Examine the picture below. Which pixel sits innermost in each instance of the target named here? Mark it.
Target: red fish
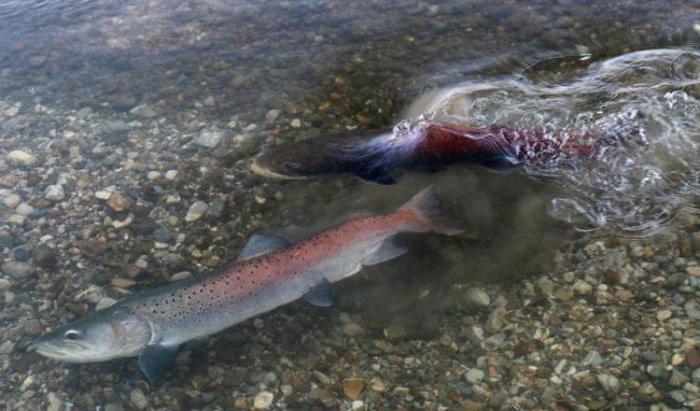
(373, 156)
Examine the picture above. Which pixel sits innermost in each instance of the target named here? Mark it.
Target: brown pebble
(352, 387)
(118, 202)
(692, 357)
(92, 248)
(685, 246)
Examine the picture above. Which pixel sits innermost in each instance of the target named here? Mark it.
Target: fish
(269, 272)
(373, 156)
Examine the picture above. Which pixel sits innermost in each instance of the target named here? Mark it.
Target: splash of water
(646, 103)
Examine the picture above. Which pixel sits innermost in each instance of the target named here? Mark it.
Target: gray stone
(138, 398)
(54, 192)
(19, 157)
(144, 111)
(17, 269)
(609, 382)
(678, 379)
(476, 297)
(209, 138)
(474, 376)
(593, 358)
(196, 211)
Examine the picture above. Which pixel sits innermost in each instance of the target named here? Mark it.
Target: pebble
(144, 111)
(123, 282)
(54, 192)
(693, 270)
(353, 329)
(272, 115)
(545, 286)
(663, 315)
(263, 400)
(495, 321)
(582, 287)
(196, 211)
(678, 379)
(474, 376)
(352, 387)
(138, 398)
(162, 235)
(296, 123)
(12, 200)
(21, 254)
(209, 138)
(609, 382)
(54, 402)
(44, 256)
(4, 283)
(593, 358)
(19, 157)
(16, 269)
(171, 174)
(476, 297)
(24, 209)
(118, 202)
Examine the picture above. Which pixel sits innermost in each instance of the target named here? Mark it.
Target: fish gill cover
(645, 104)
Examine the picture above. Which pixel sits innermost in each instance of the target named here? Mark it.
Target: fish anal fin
(155, 360)
(259, 244)
(376, 175)
(320, 294)
(387, 251)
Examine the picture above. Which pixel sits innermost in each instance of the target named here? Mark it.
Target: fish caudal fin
(424, 208)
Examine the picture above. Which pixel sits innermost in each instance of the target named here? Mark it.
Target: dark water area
(126, 134)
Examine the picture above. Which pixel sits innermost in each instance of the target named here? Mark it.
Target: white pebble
(296, 123)
(19, 157)
(12, 200)
(24, 209)
(54, 192)
(263, 400)
(171, 174)
(196, 211)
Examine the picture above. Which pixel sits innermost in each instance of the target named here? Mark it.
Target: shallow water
(117, 96)
(646, 102)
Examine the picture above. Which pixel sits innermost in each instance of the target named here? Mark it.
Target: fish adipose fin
(387, 251)
(259, 244)
(376, 175)
(155, 360)
(429, 216)
(320, 294)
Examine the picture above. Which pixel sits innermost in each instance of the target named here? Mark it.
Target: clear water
(75, 77)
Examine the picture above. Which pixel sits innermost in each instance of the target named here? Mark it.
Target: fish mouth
(66, 352)
(266, 172)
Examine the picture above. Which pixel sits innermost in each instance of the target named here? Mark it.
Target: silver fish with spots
(270, 272)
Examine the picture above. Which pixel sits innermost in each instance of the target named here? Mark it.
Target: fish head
(106, 334)
(294, 161)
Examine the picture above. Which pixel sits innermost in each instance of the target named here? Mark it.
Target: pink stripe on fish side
(251, 276)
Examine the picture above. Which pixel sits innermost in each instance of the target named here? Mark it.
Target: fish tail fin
(425, 214)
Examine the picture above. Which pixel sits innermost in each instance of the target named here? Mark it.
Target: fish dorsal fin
(320, 294)
(387, 251)
(259, 244)
(155, 360)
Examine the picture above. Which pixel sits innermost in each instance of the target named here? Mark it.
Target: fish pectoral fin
(259, 244)
(155, 360)
(320, 294)
(376, 175)
(387, 251)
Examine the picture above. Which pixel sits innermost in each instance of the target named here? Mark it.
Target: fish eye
(72, 334)
(289, 166)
